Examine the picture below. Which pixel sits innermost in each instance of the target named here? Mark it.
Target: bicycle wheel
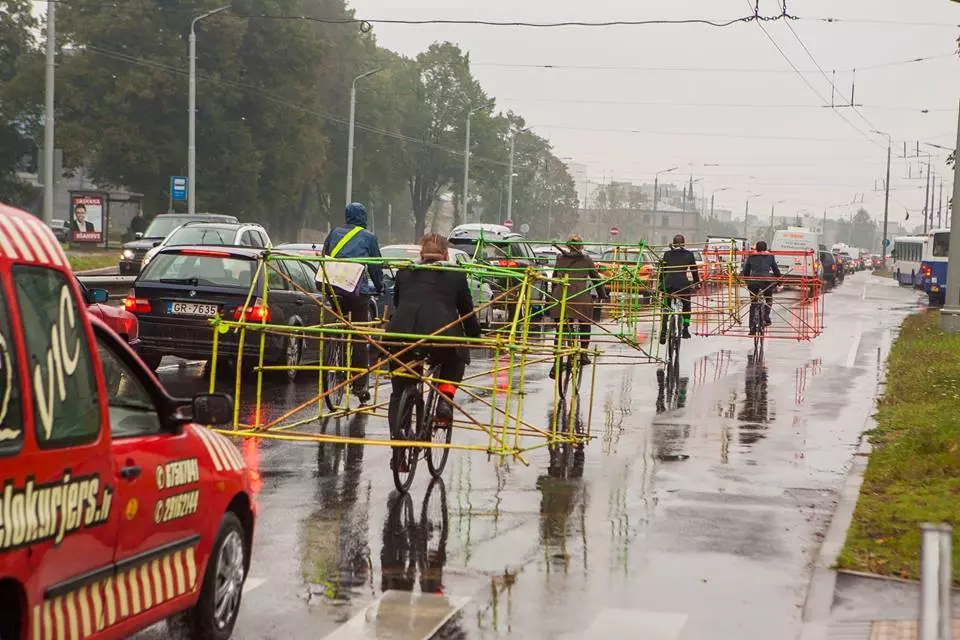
(673, 339)
(406, 426)
(563, 376)
(334, 355)
(436, 458)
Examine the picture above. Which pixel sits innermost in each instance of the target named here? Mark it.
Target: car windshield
(626, 255)
(199, 270)
(490, 251)
(201, 235)
(163, 225)
(941, 245)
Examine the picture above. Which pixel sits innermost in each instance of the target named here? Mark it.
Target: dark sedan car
(160, 227)
(184, 287)
(829, 266)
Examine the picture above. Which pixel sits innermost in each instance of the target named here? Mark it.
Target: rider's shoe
(753, 332)
(767, 322)
(663, 337)
(553, 371)
(584, 360)
(686, 333)
(363, 394)
(444, 417)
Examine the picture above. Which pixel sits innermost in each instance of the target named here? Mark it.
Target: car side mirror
(212, 408)
(156, 244)
(138, 235)
(96, 296)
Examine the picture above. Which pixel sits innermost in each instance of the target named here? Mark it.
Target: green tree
(21, 97)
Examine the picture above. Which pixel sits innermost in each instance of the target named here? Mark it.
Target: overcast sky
(773, 137)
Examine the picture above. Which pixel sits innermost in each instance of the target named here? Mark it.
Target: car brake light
(507, 263)
(136, 305)
(257, 312)
(204, 252)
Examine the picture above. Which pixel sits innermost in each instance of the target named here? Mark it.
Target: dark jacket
(761, 270)
(583, 279)
(362, 245)
(674, 266)
(426, 300)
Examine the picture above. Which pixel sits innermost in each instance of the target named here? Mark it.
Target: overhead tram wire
(587, 67)
(810, 84)
(121, 57)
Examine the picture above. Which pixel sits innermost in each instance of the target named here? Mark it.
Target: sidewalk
(850, 606)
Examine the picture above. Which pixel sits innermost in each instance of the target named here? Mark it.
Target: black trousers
(764, 291)
(684, 296)
(357, 309)
(451, 367)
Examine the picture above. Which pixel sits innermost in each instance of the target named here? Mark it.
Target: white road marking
(253, 583)
(863, 296)
(852, 354)
(401, 615)
(627, 623)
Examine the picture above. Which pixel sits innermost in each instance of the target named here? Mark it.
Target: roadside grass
(86, 260)
(913, 475)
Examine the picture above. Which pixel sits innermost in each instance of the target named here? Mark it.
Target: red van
(117, 509)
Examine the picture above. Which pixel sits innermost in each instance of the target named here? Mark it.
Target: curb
(102, 271)
(819, 600)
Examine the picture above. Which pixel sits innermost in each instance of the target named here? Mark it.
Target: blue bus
(906, 258)
(936, 252)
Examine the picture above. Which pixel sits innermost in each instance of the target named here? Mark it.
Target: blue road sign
(178, 188)
(886, 242)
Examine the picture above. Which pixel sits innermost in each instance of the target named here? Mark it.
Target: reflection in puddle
(563, 494)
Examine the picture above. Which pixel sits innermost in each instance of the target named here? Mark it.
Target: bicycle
(335, 362)
(568, 370)
(758, 325)
(674, 327)
(413, 422)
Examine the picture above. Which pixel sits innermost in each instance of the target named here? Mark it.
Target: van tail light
(833, 267)
(257, 312)
(926, 270)
(507, 263)
(136, 305)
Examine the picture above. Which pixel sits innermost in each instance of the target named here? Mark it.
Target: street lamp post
(48, 115)
(350, 134)
(656, 198)
(746, 215)
(713, 195)
(772, 207)
(466, 159)
(192, 107)
(513, 148)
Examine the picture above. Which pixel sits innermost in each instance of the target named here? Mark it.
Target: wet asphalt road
(695, 513)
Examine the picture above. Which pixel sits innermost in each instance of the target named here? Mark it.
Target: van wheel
(216, 611)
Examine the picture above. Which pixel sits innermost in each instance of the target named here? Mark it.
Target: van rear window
(198, 269)
(11, 415)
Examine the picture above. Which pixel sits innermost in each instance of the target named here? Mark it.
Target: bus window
(941, 245)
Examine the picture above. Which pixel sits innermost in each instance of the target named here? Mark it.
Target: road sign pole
(950, 317)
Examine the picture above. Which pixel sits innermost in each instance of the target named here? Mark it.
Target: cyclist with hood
(761, 272)
(674, 266)
(352, 240)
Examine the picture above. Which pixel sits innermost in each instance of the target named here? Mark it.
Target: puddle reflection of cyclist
(671, 391)
(755, 403)
(410, 546)
(674, 266)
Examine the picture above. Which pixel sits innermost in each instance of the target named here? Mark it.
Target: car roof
(474, 230)
(24, 238)
(248, 253)
(200, 217)
(226, 226)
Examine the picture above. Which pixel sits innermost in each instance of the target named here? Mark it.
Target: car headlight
(128, 254)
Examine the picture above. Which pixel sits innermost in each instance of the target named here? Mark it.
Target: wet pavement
(695, 513)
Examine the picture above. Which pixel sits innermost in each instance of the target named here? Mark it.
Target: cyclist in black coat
(761, 273)
(425, 301)
(674, 266)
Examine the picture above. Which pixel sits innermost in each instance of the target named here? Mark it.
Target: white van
(803, 245)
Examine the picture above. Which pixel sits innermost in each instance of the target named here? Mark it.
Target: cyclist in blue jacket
(352, 240)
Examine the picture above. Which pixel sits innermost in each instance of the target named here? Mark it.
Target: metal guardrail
(116, 286)
(936, 581)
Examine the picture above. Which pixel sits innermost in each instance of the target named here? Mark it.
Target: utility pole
(466, 160)
(513, 148)
(886, 208)
(926, 198)
(546, 167)
(746, 217)
(950, 317)
(771, 222)
(352, 127)
(48, 115)
(940, 206)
